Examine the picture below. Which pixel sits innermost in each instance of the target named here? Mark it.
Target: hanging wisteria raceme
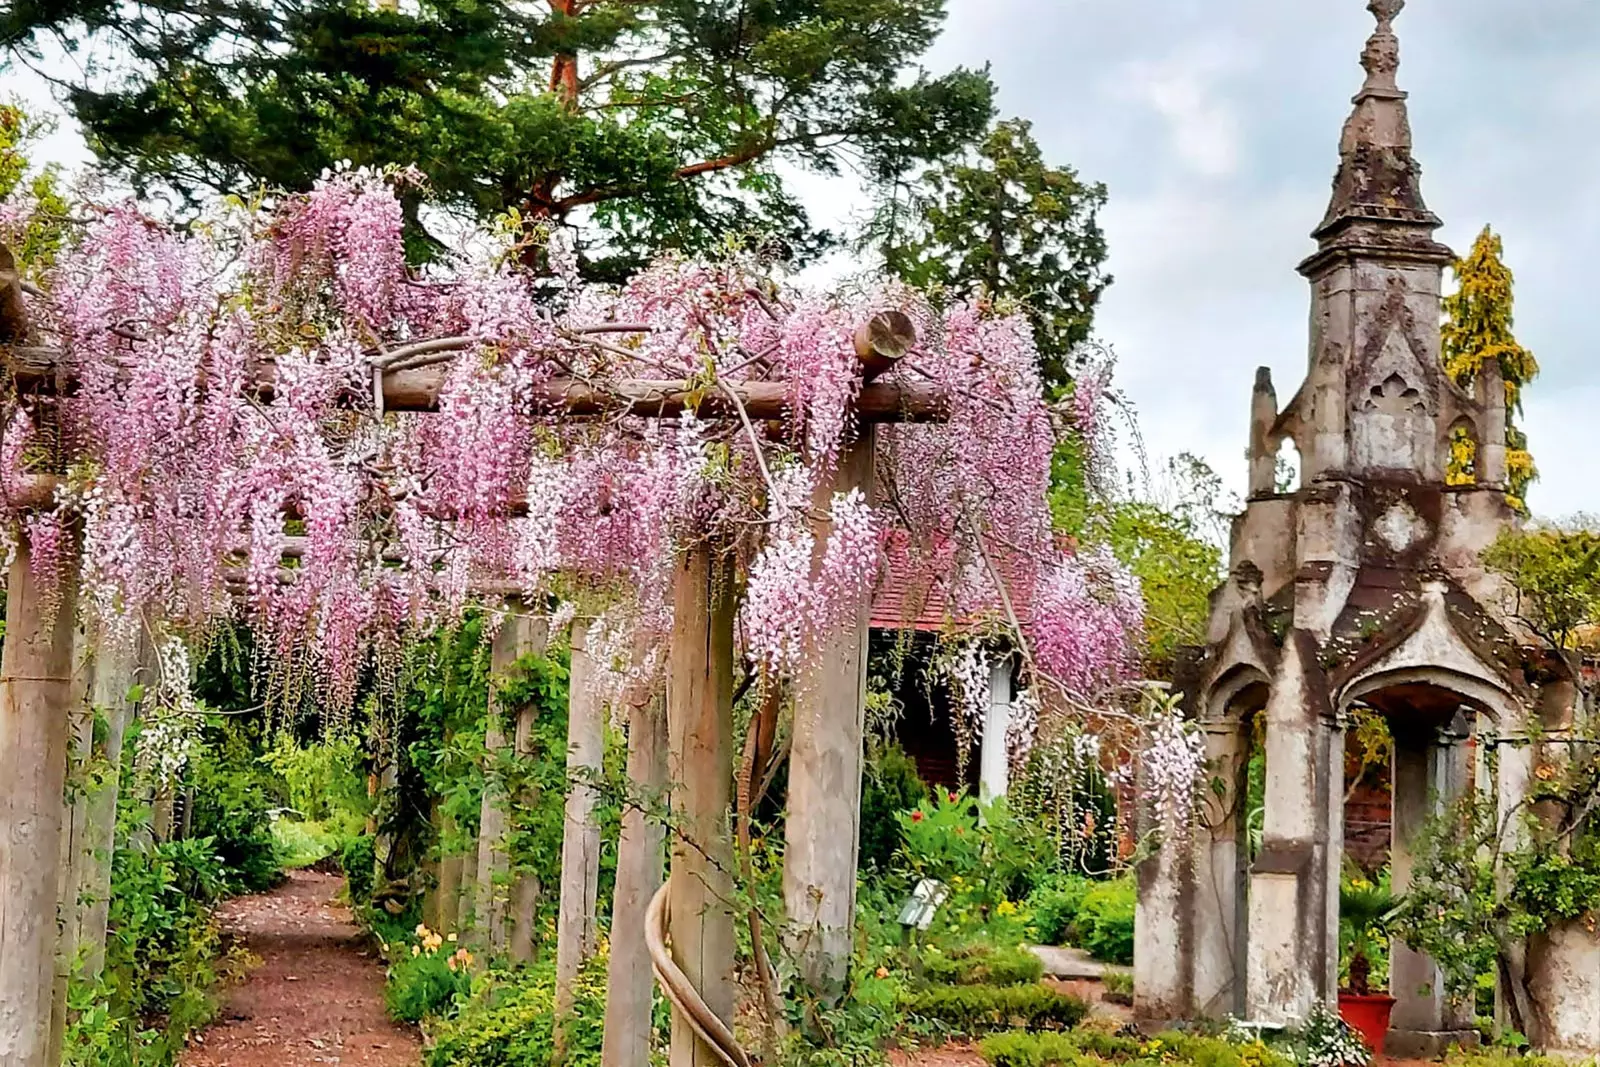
(222, 448)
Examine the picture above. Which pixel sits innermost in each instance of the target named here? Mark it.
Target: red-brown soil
(317, 997)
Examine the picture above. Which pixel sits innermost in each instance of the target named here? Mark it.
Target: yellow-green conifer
(1478, 327)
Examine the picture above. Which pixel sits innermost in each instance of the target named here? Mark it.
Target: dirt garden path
(317, 997)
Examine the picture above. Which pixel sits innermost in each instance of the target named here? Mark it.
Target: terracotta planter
(1369, 1016)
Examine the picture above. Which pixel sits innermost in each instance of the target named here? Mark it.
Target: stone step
(1062, 962)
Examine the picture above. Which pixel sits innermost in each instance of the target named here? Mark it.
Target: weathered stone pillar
(1431, 769)
(1163, 937)
(1221, 875)
(1294, 885)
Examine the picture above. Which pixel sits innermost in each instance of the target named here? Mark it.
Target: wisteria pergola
(176, 397)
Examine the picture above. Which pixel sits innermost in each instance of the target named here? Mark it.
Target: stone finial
(1381, 58)
(1378, 180)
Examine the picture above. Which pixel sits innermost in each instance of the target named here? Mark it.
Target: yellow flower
(1006, 908)
(416, 950)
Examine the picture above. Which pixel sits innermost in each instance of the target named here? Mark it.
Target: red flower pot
(1369, 1016)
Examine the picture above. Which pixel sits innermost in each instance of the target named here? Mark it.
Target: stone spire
(1378, 180)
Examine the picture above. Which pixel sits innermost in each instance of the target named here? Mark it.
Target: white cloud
(1202, 126)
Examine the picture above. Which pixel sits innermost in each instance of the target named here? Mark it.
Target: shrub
(357, 860)
(978, 1009)
(162, 958)
(1105, 920)
(426, 977)
(890, 786)
(1055, 904)
(509, 1020)
(324, 781)
(1083, 1048)
(232, 793)
(982, 965)
(301, 844)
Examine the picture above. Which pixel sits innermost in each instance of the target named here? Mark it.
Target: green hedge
(1105, 920)
(979, 1009)
(1055, 905)
(1082, 1048)
(983, 965)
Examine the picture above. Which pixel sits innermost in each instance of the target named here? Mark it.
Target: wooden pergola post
(629, 982)
(580, 836)
(700, 765)
(35, 710)
(516, 637)
(822, 829)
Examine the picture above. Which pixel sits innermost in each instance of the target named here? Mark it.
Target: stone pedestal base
(1426, 1044)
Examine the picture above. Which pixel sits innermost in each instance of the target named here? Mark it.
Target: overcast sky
(1215, 124)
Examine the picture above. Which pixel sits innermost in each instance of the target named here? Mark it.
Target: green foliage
(324, 781)
(1105, 920)
(890, 786)
(982, 965)
(1170, 541)
(1088, 1048)
(976, 1009)
(1478, 327)
(988, 856)
(1365, 911)
(426, 975)
(509, 1019)
(1555, 572)
(1055, 905)
(232, 794)
(35, 241)
(162, 958)
(357, 860)
(1001, 224)
(302, 844)
(662, 120)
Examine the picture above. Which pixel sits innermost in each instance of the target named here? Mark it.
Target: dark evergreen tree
(656, 123)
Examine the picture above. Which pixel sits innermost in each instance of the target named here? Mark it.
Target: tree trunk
(822, 833)
(517, 637)
(700, 767)
(35, 703)
(117, 664)
(629, 981)
(580, 836)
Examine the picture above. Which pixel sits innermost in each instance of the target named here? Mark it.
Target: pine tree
(1003, 224)
(1478, 327)
(647, 124)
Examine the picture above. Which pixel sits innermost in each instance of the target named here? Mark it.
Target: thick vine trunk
(35, 704)
(822, 832)
(518, 636)
(580, 836)
(629, 982)
(700, 767)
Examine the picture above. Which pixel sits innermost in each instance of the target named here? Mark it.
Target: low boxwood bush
(1105, 920)
(976, 1009)
(983, 965)
(1086, 1048)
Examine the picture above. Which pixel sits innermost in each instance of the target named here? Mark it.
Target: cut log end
(883, 341)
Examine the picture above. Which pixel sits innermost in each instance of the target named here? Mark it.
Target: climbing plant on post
(1478, 327)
